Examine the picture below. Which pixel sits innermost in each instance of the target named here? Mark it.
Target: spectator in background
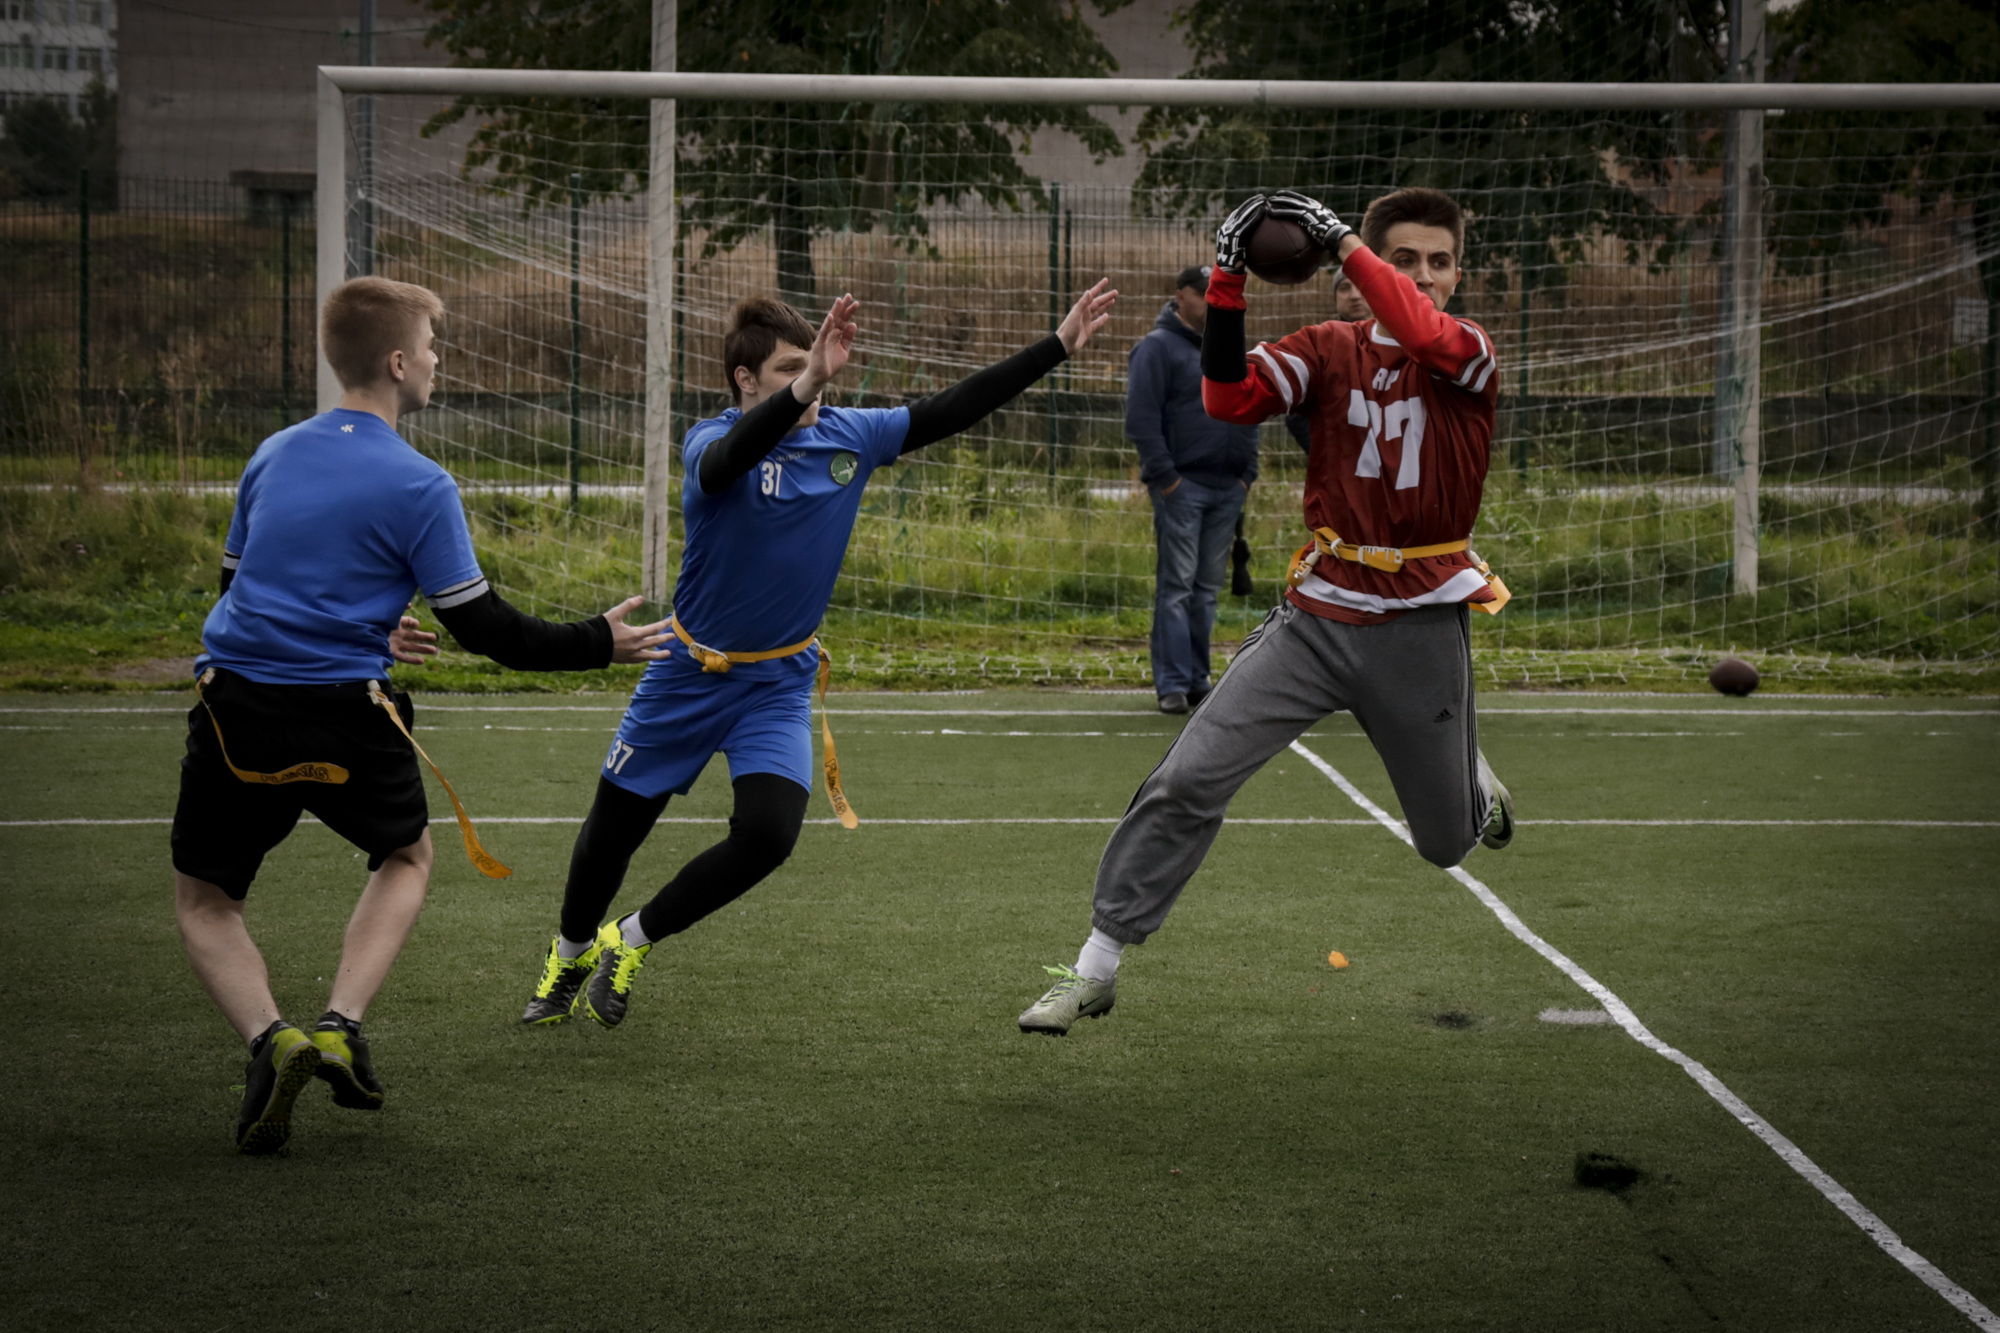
(1348, 305)
(1197, 471)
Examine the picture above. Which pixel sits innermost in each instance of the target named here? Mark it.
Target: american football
(1733, 675)
(1281, 253)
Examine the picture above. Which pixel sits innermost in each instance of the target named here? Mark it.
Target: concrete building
(55, 48)
(224, 89)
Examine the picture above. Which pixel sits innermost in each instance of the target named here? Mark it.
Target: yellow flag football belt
(1389, 559)
(714, 659)
(335, 775)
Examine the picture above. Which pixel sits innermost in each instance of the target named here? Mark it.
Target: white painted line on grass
(1112, 819)
(1745, 711)
(1872, 1226)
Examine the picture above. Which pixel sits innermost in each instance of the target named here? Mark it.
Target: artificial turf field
(820, 1114)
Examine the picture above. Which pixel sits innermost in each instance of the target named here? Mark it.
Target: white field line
(1739, 714)
(1872, 1226)
(1112, 819)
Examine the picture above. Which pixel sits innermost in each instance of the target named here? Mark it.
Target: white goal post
(1747, 98)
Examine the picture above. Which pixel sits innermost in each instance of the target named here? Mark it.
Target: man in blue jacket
(1197, 471)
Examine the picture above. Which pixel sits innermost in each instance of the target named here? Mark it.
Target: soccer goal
(1747, 335)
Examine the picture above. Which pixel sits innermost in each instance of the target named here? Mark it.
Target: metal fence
(158, 340)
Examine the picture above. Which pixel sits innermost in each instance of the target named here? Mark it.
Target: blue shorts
(681, 716)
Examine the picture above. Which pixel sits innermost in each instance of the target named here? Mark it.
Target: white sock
(569, 948)
(1099, 959)
(629, 928)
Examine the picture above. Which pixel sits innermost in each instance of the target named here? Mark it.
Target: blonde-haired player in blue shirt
(338, 522)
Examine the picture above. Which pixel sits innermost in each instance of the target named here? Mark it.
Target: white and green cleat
(1073, 996)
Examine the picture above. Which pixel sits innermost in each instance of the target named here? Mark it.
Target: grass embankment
(961, 575)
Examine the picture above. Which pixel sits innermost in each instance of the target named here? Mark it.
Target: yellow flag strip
(486, 863)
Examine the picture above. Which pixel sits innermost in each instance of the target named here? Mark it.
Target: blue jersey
(338, 523)
(762, 555)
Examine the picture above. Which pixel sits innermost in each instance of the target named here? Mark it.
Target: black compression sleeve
(755, 434)
(228, 577)
(1222, 356)
(489, 626)
(981, 393)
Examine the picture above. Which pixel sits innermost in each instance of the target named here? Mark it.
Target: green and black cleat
(562, 981)
(609, 991)
(344, 1064)
(282, 1062)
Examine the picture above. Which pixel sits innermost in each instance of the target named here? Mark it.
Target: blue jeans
(1194, 527)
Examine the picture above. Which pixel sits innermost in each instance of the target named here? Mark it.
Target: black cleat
(282, 1062)
(344, 1064)
(562, 981)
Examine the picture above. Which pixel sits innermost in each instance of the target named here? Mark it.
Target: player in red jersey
(1400, 409)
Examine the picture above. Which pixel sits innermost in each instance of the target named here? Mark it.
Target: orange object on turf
(1337, 958)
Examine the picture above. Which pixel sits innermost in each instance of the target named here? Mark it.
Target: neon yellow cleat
(610, 987)
(562, 982)
(282, 1066)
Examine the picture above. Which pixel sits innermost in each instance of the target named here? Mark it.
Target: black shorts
(223, 825)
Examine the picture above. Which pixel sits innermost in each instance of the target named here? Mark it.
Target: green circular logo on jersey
(843, 468)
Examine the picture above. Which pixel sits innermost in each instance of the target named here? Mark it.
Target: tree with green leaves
(1834, 174)
(1540, 183)
(799, 170)
(46, 148)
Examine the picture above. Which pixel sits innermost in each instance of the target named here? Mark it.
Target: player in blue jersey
(338, 522)
(773, 487)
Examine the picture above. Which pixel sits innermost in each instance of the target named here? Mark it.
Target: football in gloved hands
(1280, 252)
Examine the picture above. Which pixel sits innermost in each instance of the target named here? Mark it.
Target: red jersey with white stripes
(1401, 411)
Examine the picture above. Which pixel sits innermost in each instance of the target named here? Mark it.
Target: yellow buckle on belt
(714, 659)
(1389, 559)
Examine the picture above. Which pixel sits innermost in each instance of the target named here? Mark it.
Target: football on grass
(1732, 675)
(1281, 253)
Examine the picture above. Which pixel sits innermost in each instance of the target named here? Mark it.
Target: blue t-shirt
(338, 523)
(762, 555)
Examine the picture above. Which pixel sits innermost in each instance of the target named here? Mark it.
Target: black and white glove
(1313, 217)
(1234, 233)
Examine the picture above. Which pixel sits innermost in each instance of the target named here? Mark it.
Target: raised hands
(1313, 217)
(831, 347)
(1087, 316)
(1234, 233)
(637, 643)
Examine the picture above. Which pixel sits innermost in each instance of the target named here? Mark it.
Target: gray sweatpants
(1408, 683)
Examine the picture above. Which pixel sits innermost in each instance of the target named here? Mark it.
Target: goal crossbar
(1304, 94)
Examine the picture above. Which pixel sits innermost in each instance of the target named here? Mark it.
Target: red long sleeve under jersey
(1401, 412)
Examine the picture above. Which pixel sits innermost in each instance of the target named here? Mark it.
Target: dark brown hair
(756, 327)
(368, 318)
(1425, 207)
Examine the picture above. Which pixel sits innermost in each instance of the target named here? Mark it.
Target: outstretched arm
(489, 625)
(978, 395)
(757, 432)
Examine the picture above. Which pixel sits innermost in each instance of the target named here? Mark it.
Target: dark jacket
(1164, 417)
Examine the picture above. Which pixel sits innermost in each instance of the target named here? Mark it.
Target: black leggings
(762, 833)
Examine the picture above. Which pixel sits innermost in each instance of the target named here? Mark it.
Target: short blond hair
(365, 319)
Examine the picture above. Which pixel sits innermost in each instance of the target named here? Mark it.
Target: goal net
(1597, 260)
